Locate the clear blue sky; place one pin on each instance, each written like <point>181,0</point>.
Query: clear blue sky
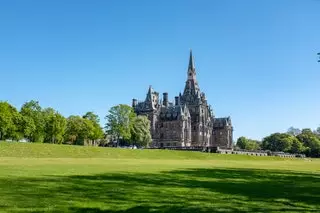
<point>256,60</point>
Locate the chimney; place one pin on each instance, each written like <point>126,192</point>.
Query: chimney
<point>176,100</point>
<point>134,103</point>
<point>165,99</point>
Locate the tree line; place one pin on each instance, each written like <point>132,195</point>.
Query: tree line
<point>297,141</point>
<point>46,125</point>
<point>123,127</point>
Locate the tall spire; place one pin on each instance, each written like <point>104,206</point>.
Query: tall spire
<point>191,61</point>
<point>191,83</point>
<point>191,68</point>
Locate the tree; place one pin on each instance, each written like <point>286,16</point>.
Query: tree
<point>120,121</point>
<point>307,131</point>
<point>247,144</point>
<point>92,117</point>
<point>253,145</point>
<point>317,131</point>
<point>241,142</point>
<point>96,132</point>
<point>86,131</point>
<point>34,117</point>
<point>9,122</point>
<point>141,131</point>
<point>293,131</point>
<point>55,126</point>
<point>311,141</point>
<point>74,129</point>
<point>27,127</point>
<point>278,142</point>
<point>297,146</point>
<point>80,130</point>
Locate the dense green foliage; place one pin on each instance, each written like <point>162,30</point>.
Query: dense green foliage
<point>97,132</point>
<point>311,141</point>
<point>61,178</point>
<point>10,121</point>
<point>279,142</point>
<point>294,131</point>
<point>120,121</point>
<point>46,125</point>
<point>306,141</point>
<point>37,124</point>
<point>247,144</point>
<point>295,141</point>
<point>123,123</point>
<point>36,120</point>
<point>141,131</point>
<point>55,126</point>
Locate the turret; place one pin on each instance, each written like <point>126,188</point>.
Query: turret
<point>177,100</point>
<point>165,99</point>
<point>134,103</point>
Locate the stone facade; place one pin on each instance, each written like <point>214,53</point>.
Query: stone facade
<point>188,121</point>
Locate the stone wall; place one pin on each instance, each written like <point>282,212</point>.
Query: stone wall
<point>258,153</point>
<point>222,137</point>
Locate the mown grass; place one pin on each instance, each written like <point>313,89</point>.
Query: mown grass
<point>55,178</point>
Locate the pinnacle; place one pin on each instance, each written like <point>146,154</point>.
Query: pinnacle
<point>191,61</point>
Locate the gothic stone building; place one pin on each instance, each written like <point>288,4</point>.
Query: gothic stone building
<point>188,122</point>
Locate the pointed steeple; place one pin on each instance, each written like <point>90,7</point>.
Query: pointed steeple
<point>191,68</point>
<point>191,89</point>
<point>149,94</point>
<point>150,90</point>
<point>191,61</point>
<point>151,99</point>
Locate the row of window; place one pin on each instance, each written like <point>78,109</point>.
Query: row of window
<point>169,125</point>
<point>174,133</point>
<point>168,144</point>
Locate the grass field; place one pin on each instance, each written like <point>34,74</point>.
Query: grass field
<point>57,178</point>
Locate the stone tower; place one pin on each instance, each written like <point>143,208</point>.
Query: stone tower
<point>198,107</point>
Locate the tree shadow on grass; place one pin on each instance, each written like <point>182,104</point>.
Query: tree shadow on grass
<point>191,190</point>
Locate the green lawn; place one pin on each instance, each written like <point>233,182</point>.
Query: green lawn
<point>60,178</point>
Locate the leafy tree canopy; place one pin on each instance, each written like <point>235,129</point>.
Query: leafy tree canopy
<point>248,144</point>
<point>35,121</point>
<point>55,126</point>
<point>293,131</point>
<point>96,132</point>
<point>141,131</point>
<point>120,121</point>
<point>9,121</point>
<point>278,142</point>
<point>311,141</point>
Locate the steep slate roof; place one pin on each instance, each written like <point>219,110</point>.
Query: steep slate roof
<point>172,112</point>
<point>221,122</point>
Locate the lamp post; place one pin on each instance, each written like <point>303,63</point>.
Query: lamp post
<point>319,57</point>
